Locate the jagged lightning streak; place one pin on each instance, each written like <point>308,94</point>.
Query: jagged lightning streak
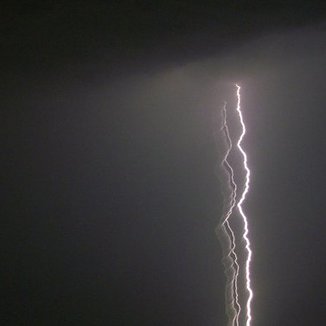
<point>239,206</point>
<point>227,227</point>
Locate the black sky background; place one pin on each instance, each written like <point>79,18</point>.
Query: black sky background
<point>110,203</point>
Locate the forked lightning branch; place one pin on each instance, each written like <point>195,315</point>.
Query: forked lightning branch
<point>236,199</point>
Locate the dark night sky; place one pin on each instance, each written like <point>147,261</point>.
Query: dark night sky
<point>110,196</point>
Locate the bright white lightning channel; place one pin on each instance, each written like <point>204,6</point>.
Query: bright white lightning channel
<point>226,227</point>
<point>239,206</point>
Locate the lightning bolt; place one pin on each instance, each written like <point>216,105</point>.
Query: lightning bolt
<point>226,227</point>
<point>240,209</point>
<point>232,268</point>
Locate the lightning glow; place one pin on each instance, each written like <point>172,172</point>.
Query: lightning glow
<point>242,214</point>
<point>226,227</point>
